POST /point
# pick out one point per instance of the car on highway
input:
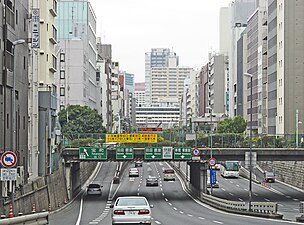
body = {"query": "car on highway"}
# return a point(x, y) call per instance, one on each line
point(269, 177)
point(133, 172)
point(151, 181)
point(138, 164)
point(131, 210)
point(94, 189)
point(169, 174)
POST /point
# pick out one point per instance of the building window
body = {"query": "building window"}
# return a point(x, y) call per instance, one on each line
point(62, 91)
point(16, 16)
point(24, 123)
point(54, 62)
point(24, 62)
point(62, 57)
point(7, 121)
point(62, 74)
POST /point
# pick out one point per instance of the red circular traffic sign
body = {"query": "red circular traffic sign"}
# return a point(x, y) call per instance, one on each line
point(196, 152)
point(211, 162)
point(8, 159)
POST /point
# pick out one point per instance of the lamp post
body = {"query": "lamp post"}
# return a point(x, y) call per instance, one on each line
point(250, 160)
point(211, 131)
point(15, 43)
point(297, 128)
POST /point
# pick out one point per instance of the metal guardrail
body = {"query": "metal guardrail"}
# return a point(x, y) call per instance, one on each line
point(258, 208)
point(31, 219)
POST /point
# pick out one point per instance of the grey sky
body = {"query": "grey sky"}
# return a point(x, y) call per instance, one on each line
point(133, 27)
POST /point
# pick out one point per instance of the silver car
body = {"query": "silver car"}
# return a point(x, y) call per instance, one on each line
point(94, 189)
point(131, 210)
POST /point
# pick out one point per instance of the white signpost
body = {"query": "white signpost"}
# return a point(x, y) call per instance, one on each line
point(8, 174)
point(167, 152)
point(253, 159)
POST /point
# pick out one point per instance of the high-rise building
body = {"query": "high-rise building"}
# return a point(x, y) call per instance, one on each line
point(76, 24)
point(167, 82)
point(14, 81)
point(158, 57)
point(103, 82)
point(290, 68)
point(236, 20)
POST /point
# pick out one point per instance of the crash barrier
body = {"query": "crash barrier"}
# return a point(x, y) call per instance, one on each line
point(265, 207)
point(268, 209)
point(31, 219)
point(235, 205)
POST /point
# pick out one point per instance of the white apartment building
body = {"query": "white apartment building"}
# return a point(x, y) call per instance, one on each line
point(167, 83)
point(161, 116)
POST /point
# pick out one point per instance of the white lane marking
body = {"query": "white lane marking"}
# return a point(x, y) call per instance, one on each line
point(163, 194)
point(295, 199)
point(175, 208)
point(161, 189)
point(267, 200)
point(223, 189)
point(238, 185)
point(181, 212)
point(240, 199)
point(255, 194)
point(231, 182)
point(166, 199)
point(170, 203)
point(157, 222)
point(201, 218)
point(245, 189)
point(214, 221)
point(80, 210)
point(280, 205)
point(189, 215)
point(287, 196)
point(231, 194)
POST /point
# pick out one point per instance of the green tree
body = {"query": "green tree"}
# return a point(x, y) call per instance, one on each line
point(76, 119)
point(232, 125)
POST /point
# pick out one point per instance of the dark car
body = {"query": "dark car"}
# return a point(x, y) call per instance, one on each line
point(138, 164)
point(269, 177)
point(151, 181)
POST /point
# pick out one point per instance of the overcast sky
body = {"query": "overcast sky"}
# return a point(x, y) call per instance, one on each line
point(133, 27)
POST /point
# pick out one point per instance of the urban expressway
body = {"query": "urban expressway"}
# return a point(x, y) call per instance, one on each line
point(172, 204)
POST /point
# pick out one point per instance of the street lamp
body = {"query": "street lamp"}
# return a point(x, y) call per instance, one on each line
point(297, 128)
point(15, 43)
point(250, 154)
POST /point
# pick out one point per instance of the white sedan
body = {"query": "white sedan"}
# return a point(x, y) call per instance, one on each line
point(133, 172)
point(131, 210)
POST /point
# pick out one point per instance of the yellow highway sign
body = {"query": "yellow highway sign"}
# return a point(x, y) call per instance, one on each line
point(131, 138)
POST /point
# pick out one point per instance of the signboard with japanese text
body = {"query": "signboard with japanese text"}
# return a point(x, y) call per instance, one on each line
point(35, 28)
point(8, 174)
point(131, 138)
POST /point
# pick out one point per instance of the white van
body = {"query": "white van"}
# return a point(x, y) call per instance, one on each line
point(169, 174)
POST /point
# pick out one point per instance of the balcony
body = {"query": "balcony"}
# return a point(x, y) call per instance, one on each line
point(53, 10)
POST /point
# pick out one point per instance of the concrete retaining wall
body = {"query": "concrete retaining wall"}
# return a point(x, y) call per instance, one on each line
point(44, 191)
point(290, 172)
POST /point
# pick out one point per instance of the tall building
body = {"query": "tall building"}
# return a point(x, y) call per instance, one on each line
point(14, 81)
point(239, 12)
point(167, 82)
point(158, 57)
point(103, 81)
point(76, 24)
point(257, 67)
point(139, 94)
point(290, 66)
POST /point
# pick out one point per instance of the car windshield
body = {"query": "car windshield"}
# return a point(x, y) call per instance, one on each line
point(168, 171)
point(94, 186)
point(131, 202)
point(151, 178)
point(133, 169)
point(269, 174)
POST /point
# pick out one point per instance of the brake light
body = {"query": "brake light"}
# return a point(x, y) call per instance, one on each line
point(168, 172)
point(143, 211)
point(119, 212)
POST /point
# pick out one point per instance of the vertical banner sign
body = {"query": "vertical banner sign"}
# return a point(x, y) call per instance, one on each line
point(167, 152)
point(212, 177)
point(35, 28)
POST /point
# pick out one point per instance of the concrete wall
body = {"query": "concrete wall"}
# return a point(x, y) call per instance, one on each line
point(290, 172)
point(45, 190)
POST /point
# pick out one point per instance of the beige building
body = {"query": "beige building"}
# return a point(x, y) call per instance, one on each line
point(42, 89)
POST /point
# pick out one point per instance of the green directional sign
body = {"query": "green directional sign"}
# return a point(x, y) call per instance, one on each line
point(153, 153)
point(124, 153)
point(90, 153)
point(183, 153)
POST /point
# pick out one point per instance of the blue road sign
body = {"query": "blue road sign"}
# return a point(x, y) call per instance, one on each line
point(212, 177)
